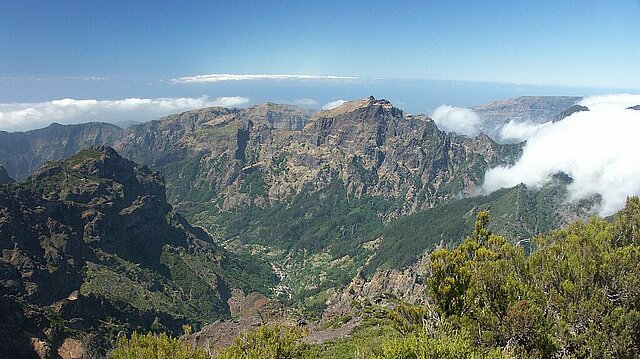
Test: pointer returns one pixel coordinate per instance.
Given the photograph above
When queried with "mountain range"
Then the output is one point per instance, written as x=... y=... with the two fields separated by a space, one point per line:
x=294 y=205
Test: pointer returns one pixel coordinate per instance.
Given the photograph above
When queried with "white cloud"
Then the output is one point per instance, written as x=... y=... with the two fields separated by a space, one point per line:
x=333 y=104
x=230 y=101
x=305 y=102
x=514 y=132
x=608 y=102
x=247 y=77
x=26 y=116
x=457 y=119
x=599 y=149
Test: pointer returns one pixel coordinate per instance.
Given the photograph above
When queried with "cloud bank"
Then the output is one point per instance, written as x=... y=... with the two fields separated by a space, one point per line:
x=599 y=149
x=514 y=132
x=26 y=116
x=333 y=104
x=247 y=77
x=457 y=119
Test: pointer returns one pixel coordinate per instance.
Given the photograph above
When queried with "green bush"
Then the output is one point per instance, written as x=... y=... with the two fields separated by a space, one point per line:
x=274 y=341
x=149 y=346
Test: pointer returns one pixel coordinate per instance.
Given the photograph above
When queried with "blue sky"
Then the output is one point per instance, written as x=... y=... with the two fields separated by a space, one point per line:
x=566 y=43
x=418 y=54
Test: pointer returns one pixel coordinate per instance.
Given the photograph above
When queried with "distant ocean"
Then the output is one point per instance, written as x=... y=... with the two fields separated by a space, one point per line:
x=413 y=96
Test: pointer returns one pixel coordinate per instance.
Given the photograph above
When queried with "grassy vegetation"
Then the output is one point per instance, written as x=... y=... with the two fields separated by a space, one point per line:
x=575 y=295
x=318 y=236
x=149 y=346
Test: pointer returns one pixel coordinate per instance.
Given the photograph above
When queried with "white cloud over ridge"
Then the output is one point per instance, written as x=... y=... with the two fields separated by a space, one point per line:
x=457 y=119
x=514 y=132
x=333 y=104
x=26 y=116
x=250 y=77
x=599 y=149
x=610 y=102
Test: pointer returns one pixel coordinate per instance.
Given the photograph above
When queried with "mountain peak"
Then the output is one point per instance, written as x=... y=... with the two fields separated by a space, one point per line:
x=97 y=171
x=350 y=106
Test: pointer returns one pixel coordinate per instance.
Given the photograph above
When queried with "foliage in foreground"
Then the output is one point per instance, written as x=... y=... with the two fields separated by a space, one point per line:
x=149 y=346
x=269 y=342
x=576 y=295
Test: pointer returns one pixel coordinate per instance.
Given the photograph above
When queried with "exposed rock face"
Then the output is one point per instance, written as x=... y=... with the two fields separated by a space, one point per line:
x=24 y=152
x=408 y=285
x=372 y=146
x=91 y=240
x=569 y=111
x=636 y=107
x=4 y=176
x=255 y=310
x=71 y=349
x=368 y=144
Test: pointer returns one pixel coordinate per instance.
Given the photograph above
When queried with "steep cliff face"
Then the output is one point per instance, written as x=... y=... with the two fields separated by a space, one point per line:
x=24 y=152
x=261 y=155
x=267 y=153
x=90 y=245
x=4 y=176
x=378 y=150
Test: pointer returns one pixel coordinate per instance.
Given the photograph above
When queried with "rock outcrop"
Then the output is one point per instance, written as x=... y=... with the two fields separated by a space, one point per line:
x=408 y=285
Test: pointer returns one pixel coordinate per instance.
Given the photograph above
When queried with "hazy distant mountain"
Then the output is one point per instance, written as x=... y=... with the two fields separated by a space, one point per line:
x=536 y=109
x=24 y=152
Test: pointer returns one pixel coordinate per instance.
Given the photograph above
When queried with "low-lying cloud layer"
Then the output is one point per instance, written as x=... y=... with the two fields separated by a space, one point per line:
x=457 y=119
x=248 y=77
x=599 y=149
x=26 y=116
x=514 y=132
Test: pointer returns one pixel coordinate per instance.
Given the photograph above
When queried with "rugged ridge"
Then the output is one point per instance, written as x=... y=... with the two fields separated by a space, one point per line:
x=368 y=144
x=90 y=246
